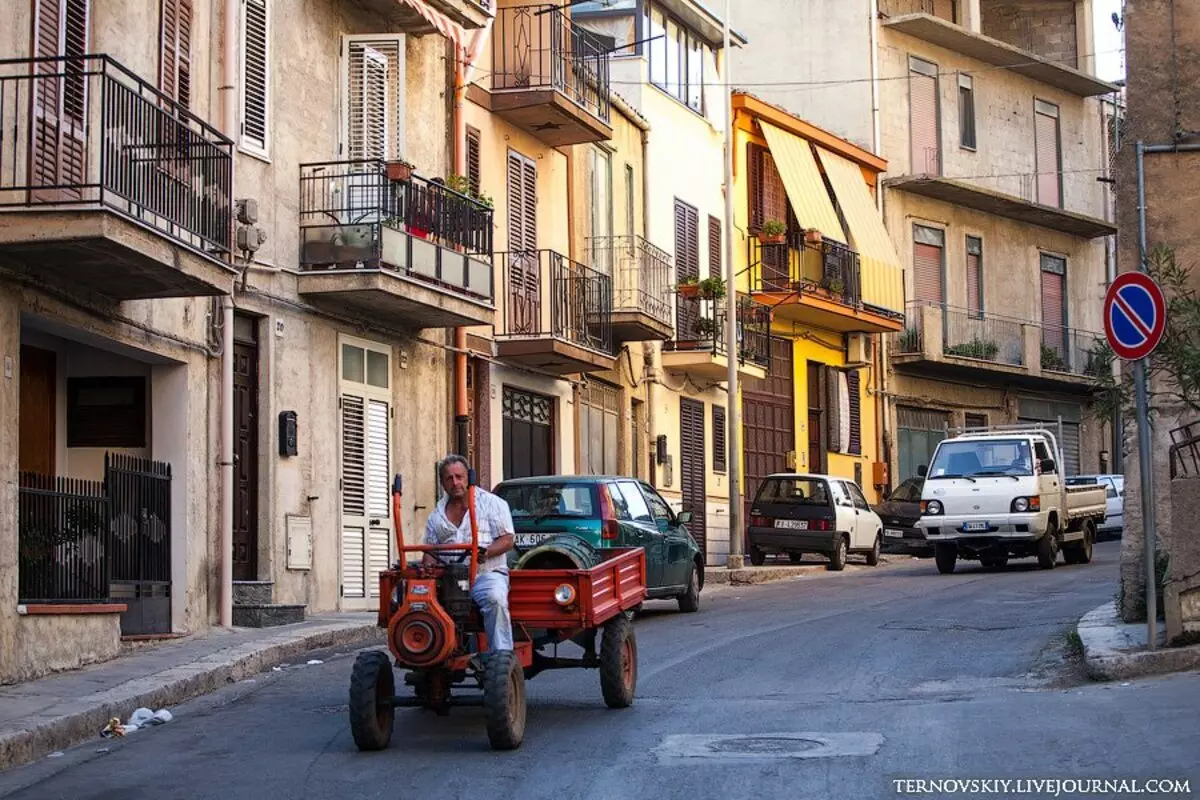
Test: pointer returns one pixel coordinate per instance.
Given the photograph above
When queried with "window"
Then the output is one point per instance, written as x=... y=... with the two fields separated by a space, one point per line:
x=600 y=180
x=975 y=277
x=375 y=100
x=840 y=497
x=549 y=500
x=599 y=419
x=255 y=83
x=966 y=111
x=926 y=153
x=860 y=501
x=1054 y=306
x=106 y=412
x=1049 y=154
x=718 y=421
x=631 y=496
x=976 y=421
x=990 y=457
x=793 y=491
x=658 y=506
x=175 y=54
x=928 y=247
x=687 y=265
x=908 y=492
x=1041 y=450
x=677 y=57
x=630 y=202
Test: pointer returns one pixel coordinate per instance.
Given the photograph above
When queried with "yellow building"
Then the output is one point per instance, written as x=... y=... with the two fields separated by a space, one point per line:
x=810 y=243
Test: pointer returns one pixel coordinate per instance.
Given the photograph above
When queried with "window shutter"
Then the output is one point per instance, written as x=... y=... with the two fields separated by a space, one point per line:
x=474 y=172
x=58 y=157
x=255 y=75
x=754 y=156
x=354 y=500
x=927 y=273
x=720 y=462
x=923 y=119
x=529 y=180
x=974 y=276
x=1048 y=161
x=175 y=58
x=833 y=410
x=714 y=246
x=687 y=265
x=375 y=97
x=855 y=406
x=1053 y=299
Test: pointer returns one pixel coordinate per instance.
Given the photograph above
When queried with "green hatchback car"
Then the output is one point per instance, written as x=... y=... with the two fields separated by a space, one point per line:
x=611 y=511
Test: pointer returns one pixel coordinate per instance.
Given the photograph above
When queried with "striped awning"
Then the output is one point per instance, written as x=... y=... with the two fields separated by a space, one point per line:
x=444 y=25
x=802 y=181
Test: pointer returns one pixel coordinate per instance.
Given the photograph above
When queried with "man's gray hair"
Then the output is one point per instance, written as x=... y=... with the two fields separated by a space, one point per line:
x=452 y=459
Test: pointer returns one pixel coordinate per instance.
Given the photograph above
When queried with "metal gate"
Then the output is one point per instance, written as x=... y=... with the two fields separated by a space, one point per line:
x=692 y=469
x=768 y=420
x=918 y=432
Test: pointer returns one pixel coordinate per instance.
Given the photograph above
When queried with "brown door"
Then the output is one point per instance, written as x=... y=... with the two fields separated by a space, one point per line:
x=769 y=421
x=245 y=425
x=816 y=417
x=692 y=470
x=528 y=423
x=38 y=442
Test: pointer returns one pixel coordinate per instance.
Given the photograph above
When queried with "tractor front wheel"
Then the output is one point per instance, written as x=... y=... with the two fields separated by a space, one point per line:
x=504 y=700
x=618 y=663
x=372 y=687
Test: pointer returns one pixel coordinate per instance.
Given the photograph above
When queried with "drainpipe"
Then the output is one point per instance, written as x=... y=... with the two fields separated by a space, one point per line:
x=228 y=124
x=462 y=417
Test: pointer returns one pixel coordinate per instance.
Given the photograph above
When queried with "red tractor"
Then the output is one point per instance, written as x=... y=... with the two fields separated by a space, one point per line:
x=435 y=631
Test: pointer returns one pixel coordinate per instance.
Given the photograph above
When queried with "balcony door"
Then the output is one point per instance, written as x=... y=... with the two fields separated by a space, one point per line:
x=523 y=297
x=687 y=265
x=58 y=140
x=373 y=88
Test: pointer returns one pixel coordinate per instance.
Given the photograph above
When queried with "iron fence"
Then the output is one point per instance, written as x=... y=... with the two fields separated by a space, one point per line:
x=910 y=340
x=827 y=268
x=987 y=337
x=539 y=47
x=139 y=507
x=546 y=294
x=349 y=208
x=641 y=274
x=85 y=130
x=1185 y=451
x=1075 y=352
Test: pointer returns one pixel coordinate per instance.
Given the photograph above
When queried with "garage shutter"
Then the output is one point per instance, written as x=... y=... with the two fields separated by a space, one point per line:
x=1069 y=442
x=918 y=433
x=927 y=265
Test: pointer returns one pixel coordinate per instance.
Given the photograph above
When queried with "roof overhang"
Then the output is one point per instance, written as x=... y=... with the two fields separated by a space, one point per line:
x=989 y=201
x=997 y=53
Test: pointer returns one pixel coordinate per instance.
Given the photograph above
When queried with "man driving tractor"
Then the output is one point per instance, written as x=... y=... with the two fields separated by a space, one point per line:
x=450 y=523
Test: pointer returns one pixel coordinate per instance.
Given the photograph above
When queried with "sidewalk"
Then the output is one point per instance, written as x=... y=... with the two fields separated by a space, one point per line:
x=775 y=571
x=1115 y=650
x=42 y=716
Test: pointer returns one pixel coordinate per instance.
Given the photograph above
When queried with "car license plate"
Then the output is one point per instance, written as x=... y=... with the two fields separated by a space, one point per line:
x=794 y=524
x=895 y=534
x=532 y=539
x=974 y=527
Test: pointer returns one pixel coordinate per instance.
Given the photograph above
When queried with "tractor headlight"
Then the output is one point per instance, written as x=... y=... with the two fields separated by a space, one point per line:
x=564 y=595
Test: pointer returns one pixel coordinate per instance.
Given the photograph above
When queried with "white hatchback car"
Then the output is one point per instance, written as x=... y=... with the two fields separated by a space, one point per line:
x=1114 y=486
x=796 y=514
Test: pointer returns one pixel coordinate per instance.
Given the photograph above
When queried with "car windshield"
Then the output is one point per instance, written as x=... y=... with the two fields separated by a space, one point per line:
x=793 y=491
x=540 y=500
x=981 y=458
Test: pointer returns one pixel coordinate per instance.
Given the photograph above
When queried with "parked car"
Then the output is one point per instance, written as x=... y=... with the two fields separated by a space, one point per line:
x=900 y=512
x=1114 y=488
x=611 y=511
x=796 y=514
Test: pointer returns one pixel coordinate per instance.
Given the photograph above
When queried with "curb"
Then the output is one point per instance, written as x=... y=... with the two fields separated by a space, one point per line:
x=1114 y=650
x=170 y=687
x=748 y=576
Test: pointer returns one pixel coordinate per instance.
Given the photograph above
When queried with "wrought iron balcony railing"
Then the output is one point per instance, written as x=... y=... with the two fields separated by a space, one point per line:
x=547 y=295
x=641 y=274
x=85 y=130
x=827 y=269
x=700 y=325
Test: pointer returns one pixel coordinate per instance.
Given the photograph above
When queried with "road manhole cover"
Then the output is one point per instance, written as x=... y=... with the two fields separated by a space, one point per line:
x=763 y=745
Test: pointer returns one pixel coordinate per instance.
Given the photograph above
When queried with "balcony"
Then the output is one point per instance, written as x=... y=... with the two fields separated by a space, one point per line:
x=411 y=252
x=641 y=287
x=555 y=314
x=815 y=284
x=411 y=19
x=945 y=342
x=549 y=78
x=699 y=348
x=108 y=188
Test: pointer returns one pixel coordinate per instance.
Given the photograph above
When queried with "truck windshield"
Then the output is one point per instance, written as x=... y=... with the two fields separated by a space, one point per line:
x=981 y=459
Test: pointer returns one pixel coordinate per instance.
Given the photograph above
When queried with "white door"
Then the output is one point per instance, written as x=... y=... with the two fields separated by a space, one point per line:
x=867 y=522
x=847 y=519
x=366 y=438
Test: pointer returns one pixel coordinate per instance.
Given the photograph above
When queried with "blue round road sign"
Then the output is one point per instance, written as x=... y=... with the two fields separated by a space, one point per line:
x=1135 y=315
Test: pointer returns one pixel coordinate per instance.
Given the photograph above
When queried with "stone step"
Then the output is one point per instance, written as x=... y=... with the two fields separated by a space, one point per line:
x=267 y=615
x=253 y=592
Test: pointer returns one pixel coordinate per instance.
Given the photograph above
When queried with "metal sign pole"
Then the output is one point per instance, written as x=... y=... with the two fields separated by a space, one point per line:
x=1145 y=458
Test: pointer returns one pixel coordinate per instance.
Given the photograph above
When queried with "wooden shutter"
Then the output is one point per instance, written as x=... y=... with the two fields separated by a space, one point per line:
x=834 y=410
x=1049 y=189
x=474 y=172
x=522 y=202
x=58 y=154
x=855 y=404
x=175 y=56
x=687 y=265
x=754 y=154
x=375 y=97
x=927 y=265
x=1053 y=303
x=692 y=468
x=923 y=118
x=720 y=461
x=974 y=276
x=255 y=75
x=714 y=247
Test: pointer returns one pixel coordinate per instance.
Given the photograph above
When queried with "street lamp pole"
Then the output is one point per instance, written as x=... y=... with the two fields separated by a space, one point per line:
x=733 y=414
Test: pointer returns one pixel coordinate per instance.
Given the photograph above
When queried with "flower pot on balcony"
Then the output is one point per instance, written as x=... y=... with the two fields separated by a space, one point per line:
x=689 y=290
x=399 y=171
x=772 y=238
x=813 y=236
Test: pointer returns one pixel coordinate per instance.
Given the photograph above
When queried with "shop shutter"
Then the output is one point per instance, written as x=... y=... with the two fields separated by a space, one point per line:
x=923 y=119
x=918 y=433
x=1049 y=189
x=255 y=75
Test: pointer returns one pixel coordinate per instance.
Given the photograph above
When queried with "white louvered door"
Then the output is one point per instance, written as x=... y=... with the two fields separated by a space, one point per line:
x=373 y=108
x=366 y=470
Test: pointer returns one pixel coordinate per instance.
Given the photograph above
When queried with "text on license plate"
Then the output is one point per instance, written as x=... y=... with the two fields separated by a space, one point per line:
x=975 y=526
x=532 y=539
x=895 y=534
x=795 y=524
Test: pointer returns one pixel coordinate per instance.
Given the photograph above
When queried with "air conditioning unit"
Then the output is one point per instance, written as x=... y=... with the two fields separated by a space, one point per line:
x=858 y=349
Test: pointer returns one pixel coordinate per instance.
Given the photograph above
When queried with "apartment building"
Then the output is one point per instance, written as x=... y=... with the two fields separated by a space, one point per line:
x=989 y=117
x=201 y=426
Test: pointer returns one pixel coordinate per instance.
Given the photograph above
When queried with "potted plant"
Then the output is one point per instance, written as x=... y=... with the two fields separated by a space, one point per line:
x=399 y=170
x=705 y=328
x=772 y=232
x=688 y=287
x=813 y=236
x=712 y=288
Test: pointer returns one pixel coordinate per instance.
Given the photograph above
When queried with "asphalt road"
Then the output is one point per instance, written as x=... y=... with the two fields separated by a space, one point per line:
x=831 y=686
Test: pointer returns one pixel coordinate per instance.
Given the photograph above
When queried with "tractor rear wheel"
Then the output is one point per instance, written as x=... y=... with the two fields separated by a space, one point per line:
x=372 y=687
x=504 y=700
x=618 y=663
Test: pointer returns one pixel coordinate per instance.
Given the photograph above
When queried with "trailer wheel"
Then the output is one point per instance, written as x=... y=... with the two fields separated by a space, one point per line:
x=1047 y=549
x=372 y=687
x=618 y=663
x=504 y=700
x=945 y=555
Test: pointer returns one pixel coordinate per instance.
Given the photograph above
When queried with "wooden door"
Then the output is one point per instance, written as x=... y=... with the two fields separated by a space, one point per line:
x=245 y=466
x=39 y=406
x=528 y=423
x=692 y=469
x=769 y=420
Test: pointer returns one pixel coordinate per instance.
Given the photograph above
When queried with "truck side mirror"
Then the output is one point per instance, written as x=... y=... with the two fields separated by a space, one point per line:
x=1048 y=465
x=922 y=471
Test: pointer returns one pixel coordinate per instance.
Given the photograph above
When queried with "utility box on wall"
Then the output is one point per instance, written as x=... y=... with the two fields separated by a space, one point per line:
x=288 y=434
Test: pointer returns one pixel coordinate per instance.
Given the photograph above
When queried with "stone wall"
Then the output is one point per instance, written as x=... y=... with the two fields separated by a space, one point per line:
x=1181 y=587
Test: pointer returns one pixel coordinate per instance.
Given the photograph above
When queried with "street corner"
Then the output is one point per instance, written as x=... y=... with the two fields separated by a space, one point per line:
x=1116 y=650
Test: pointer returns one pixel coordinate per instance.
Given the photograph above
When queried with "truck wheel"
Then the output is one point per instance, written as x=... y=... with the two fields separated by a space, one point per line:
x=689 y=601
x=837 y=559
x=945 y=555
x=618 y=662
x=1047 y=549
x=796 y=558
x=757 y=556
x=504 y=699
x=873 y=556
x=372 y=687
x=1081 y=552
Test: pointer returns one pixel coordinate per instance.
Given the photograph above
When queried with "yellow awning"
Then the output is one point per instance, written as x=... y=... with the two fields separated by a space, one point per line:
x=882 y=279
x=802 y=180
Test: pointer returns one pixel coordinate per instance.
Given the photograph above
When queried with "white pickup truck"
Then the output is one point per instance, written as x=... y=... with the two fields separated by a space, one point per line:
x=998 y=493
